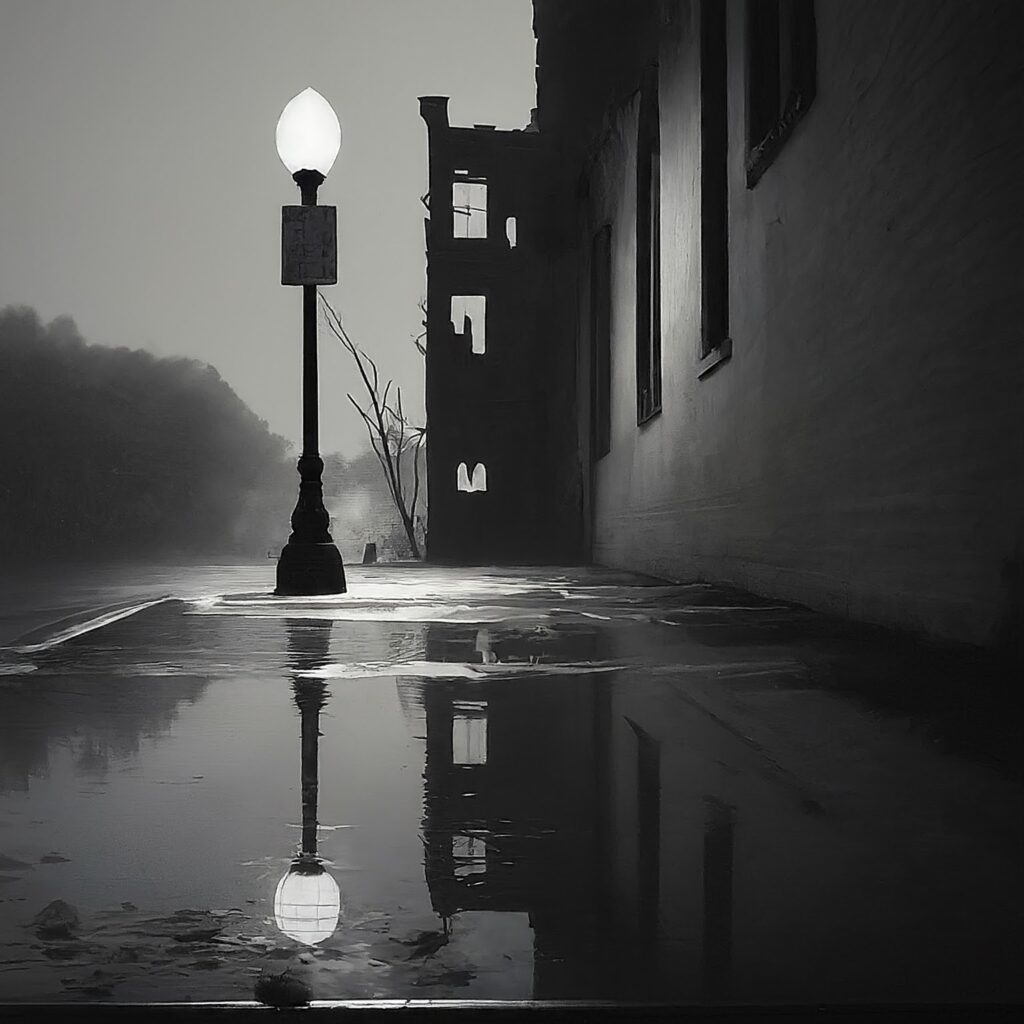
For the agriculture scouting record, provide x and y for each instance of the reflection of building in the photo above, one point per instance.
(770, 236)
(559, 796)
(667, 858)
(510, 806)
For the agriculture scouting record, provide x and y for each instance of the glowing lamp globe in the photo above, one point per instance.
(307, 904)
(308, 134)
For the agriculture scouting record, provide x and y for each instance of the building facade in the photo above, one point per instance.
(501, 466)
(788, 284)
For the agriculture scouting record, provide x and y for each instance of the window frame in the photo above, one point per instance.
(648, 252)
(781, 49)
(715, 344)
(467, 210)
(600, 342)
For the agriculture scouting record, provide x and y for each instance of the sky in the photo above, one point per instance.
(140, 187)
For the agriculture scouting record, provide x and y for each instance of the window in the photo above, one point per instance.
(781, 71)
(510, 231)
(600, 343)
(478, 482)
(469, 852)
(469, 208)
(648, 261)
(469, 732)
(714, 179)
(469, 319)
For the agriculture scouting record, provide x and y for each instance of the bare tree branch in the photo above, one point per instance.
(391, 435)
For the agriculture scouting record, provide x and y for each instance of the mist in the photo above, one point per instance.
(116, 454)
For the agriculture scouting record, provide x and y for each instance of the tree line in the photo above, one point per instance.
(114, 452)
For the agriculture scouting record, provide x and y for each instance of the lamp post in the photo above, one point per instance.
(308, 140)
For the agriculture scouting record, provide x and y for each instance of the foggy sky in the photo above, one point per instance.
(140, 188)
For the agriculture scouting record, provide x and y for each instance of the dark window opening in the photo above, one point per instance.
(714, 178)
(601, 343)
(648, 259)
(781, 76)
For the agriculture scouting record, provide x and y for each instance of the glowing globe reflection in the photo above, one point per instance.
(307, 903)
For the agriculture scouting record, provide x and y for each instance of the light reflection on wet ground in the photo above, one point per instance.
(551, 784)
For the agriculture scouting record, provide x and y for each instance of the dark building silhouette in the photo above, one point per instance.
(501, 474)
(778, 243)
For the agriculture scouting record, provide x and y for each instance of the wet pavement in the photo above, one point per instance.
(497, 784)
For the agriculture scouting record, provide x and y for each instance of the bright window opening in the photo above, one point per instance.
(469, 209)
(470, 855)
(469, 732)
(476, 482)
(510, 231)
(469, 317)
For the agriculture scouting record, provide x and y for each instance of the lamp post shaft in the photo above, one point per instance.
(310, 381)
(310, 563)
(310, 779)
(309, 182)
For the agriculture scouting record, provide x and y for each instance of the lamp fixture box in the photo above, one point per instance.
(309, 245)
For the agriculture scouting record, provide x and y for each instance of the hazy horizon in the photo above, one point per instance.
(143, 189)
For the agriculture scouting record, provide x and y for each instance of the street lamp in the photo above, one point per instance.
(308, 140)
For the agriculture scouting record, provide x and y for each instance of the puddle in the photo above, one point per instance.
(457, 785)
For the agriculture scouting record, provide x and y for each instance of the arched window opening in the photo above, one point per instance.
(465, 482)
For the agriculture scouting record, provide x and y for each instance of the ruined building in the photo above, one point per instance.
(759, 322)
(500, 465)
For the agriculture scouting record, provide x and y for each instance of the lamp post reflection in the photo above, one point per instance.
(307, 903)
